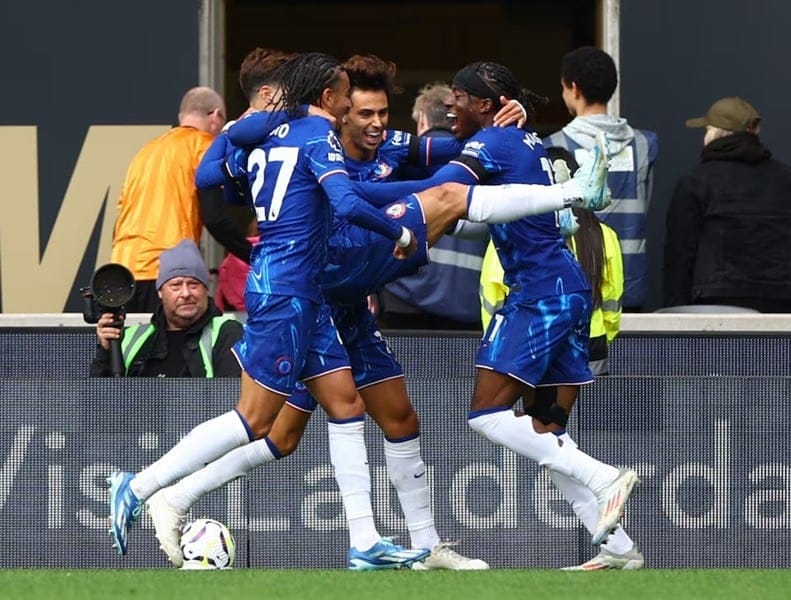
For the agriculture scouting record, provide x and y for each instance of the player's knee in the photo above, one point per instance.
(286, 445)
(256, 424)
(344, 407)
(401, 426)
(452, 196)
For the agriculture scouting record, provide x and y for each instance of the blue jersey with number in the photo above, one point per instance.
(297, 178)
(536, 260)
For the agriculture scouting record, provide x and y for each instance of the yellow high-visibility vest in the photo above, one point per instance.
(605, 320)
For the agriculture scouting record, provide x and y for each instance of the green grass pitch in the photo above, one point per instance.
(498, 584)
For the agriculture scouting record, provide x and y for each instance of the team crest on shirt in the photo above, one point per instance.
(382, 170)
(396, 210)
(283, 365)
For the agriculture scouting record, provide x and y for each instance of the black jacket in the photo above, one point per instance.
(154, 351)
(728, 231)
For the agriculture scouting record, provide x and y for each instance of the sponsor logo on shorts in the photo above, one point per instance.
(284, 365)
(396, 211)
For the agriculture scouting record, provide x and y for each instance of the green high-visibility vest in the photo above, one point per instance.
(136, 335)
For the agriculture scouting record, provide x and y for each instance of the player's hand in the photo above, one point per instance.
(404, 252)
(315, 111)
(511, 112)
(109, 328)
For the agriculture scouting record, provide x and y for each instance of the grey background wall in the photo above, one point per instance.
(677, 58)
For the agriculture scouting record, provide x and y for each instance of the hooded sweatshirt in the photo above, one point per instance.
(631, 153)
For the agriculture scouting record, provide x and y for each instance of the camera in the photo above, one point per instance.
(112, 288)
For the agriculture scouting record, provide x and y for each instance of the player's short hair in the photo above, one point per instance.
(258, 68)
(431, 102)
(304, 78)
(370, 73)
(594, 72)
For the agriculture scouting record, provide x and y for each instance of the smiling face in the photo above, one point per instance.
(184, 301)
(365, 124)
(466, 112)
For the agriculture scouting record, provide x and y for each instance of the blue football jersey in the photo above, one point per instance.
(399, 150)
(536, 260)
(356, 256)
(293, 212)
(297, 179)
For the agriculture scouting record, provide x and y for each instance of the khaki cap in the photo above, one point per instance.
(732, 114)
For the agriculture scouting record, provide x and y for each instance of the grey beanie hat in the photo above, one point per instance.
(183, 260)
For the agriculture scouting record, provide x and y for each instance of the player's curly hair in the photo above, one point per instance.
(304, 77)
(258, 68)
(371, 73)
(503, 82)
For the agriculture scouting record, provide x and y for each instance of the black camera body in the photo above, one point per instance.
(112, 288)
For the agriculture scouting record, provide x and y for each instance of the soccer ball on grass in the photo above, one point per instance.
(207, 544)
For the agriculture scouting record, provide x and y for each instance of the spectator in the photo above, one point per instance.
(442, 294)
(728, 222)
(159, 203)
(588, 79)
(188, 336)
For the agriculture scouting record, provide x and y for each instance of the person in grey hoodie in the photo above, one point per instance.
(588, 77)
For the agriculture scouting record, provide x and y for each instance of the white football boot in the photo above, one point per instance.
(605, 560)
(168, 523)
(444, 557)
(611, 501)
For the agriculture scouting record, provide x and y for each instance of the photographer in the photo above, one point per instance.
(188, 335)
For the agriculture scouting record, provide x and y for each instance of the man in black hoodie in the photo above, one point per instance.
(188, 335)
(728, 224)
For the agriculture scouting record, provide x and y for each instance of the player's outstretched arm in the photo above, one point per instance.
(382, 194)
(348, 205)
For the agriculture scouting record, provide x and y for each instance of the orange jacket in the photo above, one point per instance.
(158, 206)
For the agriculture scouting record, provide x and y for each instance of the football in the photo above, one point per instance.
(207, 544)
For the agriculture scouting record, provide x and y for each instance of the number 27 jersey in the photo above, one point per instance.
(293, 211)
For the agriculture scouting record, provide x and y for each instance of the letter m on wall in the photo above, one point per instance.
(35, 281)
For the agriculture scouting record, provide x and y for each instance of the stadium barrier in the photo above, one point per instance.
(697, 405)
